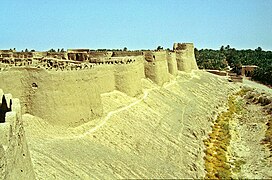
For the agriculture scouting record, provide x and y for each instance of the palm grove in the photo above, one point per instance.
(220, 59)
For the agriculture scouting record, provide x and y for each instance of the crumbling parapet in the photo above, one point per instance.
(185, 56)
(59, 64)
(15, 158)
(156, 67)
(126, 53)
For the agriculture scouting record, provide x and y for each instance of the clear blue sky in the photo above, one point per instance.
(135, 24)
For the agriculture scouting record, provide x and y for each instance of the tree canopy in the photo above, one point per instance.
(227, 56)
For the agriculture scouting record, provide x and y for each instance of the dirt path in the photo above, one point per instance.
(110, 114)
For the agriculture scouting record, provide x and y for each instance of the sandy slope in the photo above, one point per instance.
(156, 135)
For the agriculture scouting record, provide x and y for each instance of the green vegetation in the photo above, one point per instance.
(159, 48)
(210, 59)
(52, 50)
(220, 59)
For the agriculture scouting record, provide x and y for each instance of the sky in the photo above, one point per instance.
(135, 24)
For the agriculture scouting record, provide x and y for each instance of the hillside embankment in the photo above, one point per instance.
(158, 134)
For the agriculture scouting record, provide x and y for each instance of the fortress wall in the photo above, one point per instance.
(157, 70)
(15, 82)
(102, 76)
(38, 54)
(191, 52)
(185, 56)
(15, 160)
(183, 62)
(97, 54)
(64, 98)
(172, 63)
(128, 77)
(126, 53)
(71, 98)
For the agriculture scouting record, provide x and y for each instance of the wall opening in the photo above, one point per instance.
(34, 86)
(77, 57)
(3, 109)
(80, 57)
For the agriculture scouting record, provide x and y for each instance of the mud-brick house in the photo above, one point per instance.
(248, 70)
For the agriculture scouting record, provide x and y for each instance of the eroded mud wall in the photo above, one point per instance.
(71, 98)
(172, 63)
(156, 67)
(66, 98)
(15, 161)
(63, 98)
(128, 77)
(185, 56)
